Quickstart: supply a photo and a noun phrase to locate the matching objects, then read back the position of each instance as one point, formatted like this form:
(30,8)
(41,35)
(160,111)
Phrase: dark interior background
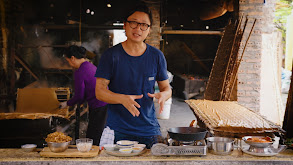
(54,22)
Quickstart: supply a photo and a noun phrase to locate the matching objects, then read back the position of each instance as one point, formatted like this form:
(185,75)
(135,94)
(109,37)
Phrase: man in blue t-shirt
(126,76)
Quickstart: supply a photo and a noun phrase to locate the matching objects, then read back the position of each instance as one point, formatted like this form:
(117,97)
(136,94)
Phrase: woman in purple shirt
(84,88)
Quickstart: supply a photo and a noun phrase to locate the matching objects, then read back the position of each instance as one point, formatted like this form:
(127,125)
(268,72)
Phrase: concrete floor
(180,116)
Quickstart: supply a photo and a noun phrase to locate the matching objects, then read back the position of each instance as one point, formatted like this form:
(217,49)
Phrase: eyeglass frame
(137,23)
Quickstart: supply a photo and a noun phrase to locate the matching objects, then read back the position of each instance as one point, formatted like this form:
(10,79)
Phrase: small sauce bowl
(110,147)
(137,149)
(140,145)
(29,147)
(125,150)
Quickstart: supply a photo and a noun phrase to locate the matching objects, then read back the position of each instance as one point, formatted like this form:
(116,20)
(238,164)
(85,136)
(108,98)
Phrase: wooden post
(77,117)
(288,118)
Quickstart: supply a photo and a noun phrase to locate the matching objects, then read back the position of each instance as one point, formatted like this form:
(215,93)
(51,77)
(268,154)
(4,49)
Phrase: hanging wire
(80,2)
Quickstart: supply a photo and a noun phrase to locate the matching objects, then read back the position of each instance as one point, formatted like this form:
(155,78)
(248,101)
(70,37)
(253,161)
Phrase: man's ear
(72,58)
(149,33)
(124,24)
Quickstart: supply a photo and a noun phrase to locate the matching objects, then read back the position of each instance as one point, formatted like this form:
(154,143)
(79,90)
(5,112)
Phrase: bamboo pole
(4,36)
(238,63)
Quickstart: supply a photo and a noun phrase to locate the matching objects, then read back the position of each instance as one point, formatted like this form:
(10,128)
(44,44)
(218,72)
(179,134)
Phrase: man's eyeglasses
(134,24)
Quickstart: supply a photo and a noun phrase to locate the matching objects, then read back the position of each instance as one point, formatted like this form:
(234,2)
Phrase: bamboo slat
(230,117)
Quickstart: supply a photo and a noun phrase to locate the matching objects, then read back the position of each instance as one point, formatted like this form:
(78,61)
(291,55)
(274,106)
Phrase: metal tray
(269,152)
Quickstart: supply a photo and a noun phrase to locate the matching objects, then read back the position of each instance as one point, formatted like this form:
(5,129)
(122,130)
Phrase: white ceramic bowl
(84,144)
(137,149)
(139,145)
(109,147)
(126,143)
(125,150)
(29,147)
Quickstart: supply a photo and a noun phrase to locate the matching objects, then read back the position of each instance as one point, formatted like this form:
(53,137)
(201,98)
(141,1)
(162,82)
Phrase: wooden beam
(26,66)
(83,27)
(194,57)
(42,46)
(193,32)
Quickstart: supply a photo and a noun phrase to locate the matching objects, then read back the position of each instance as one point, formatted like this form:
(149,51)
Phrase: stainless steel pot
(220,145)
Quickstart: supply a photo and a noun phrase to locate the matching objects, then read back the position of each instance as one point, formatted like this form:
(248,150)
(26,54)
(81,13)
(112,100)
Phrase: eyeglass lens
(143,26)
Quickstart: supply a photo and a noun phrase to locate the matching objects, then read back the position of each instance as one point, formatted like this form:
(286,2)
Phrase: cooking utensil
(220,145)
(187,133)
(257,144)
(269,151)
(58,147)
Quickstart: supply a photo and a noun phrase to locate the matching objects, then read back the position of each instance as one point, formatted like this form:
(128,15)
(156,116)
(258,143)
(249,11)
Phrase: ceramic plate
(118,153)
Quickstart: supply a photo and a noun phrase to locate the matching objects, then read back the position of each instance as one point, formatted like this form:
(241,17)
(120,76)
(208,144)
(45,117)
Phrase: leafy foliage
(283,9)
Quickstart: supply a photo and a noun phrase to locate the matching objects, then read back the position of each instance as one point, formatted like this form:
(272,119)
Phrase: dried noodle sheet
(228,116)
(33,116)
(37,100)
(37,103)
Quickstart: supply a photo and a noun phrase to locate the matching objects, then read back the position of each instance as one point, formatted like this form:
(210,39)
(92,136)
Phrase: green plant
(283,9)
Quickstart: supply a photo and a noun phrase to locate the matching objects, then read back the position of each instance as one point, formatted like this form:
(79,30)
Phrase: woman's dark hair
(76,51)
(142,7)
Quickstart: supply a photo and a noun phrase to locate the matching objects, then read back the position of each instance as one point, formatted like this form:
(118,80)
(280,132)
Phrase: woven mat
(230,117)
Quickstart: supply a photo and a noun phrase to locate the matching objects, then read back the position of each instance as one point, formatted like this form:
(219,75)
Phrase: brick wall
(249,77)
(155,34)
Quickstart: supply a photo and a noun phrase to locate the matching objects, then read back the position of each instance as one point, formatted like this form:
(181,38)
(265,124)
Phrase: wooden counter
(17,156)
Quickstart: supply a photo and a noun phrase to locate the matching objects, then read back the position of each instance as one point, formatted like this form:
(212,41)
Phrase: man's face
(133,33)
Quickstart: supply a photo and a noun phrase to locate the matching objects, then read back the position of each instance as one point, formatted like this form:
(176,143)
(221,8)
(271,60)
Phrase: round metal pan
(187,133)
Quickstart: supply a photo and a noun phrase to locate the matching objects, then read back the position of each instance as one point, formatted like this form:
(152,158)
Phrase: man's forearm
(108,96)
(166,92)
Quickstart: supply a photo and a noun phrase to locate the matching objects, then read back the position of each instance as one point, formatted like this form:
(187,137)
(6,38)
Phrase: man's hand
(161,100)
(130,104)
(63,105)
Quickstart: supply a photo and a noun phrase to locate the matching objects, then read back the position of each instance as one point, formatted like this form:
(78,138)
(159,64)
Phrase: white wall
(271,105)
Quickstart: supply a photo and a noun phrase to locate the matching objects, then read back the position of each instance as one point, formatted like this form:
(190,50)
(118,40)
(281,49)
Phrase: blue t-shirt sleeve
(162,68)
(104,69)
